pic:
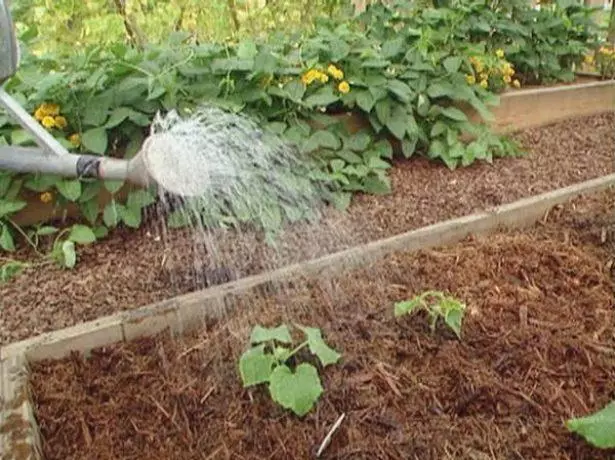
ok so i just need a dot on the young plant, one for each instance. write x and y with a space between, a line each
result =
598 429
437 305
268 361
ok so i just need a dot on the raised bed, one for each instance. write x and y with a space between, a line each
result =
518 109
18 429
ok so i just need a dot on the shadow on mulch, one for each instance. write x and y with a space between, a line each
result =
538 347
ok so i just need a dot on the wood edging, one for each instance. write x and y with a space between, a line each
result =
19 436
518 109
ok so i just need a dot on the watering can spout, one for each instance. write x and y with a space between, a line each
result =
35 160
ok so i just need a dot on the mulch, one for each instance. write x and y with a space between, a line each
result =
537 348
134 268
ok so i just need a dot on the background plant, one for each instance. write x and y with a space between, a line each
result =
399 68
272 360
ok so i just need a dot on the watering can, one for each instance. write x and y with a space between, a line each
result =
51 157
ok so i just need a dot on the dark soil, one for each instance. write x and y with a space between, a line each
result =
134 268
538 347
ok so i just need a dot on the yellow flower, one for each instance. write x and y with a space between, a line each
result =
46 197
516 84
51 109
484 76
484 83
589 59
343 87
499 53
40 114
335 72
48 122
312 75
470 79
75 139
507 79
479 66
60 122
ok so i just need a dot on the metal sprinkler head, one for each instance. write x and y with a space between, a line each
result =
176 172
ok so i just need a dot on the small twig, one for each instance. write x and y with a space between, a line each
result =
198 346
330 434
208 394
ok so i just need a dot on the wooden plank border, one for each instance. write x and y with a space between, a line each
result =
19 438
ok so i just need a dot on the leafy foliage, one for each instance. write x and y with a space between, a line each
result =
598 428
437 305
398 70
267 361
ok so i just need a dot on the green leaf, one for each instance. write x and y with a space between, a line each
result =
111 214
10 207
295 90
377 185
10 270
97 110
69 189
21 137
101 232
358 142
81 234
46 231
401 90
89 210
321 139
95 140
384 149
437 149
383 110
323 97
69 254
296 391
349 157
130 216
377 163
262 334
90 191
6 239
423 105
118 116
113 186
179 219
365 101
265 62
339 49
438 128
392 48
598 429
452 64
408 147
255 366
407 307
398 122
317 345
247 50
454 113
139 199
453 320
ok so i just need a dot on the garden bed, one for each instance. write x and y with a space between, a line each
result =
536 349
135 268
519 109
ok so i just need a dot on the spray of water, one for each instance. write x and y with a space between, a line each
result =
234 183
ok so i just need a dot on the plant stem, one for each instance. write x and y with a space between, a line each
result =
296 350
22 233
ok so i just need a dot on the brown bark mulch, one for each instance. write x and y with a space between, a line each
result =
134 268
537 348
